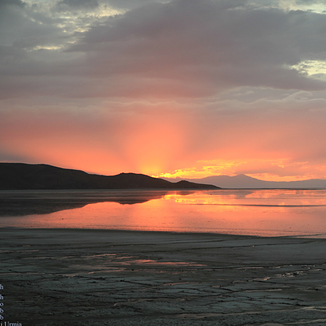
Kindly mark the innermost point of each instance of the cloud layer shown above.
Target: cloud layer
(156, 86)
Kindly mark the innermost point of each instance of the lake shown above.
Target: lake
(243, 212)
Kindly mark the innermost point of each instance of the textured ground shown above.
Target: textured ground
(92, 277)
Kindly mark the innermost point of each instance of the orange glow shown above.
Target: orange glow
(257, 212)
(215, 167)
(162, 139)
(234, 167)
(150, 146)
(151, 149)
(275, 197)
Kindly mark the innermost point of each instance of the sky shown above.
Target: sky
(168, 88)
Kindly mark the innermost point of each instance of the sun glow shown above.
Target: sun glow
(281, 170)
(204, 169)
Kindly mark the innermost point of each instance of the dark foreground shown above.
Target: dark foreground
(90, 277)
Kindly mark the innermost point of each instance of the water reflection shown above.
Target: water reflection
(27, 202)
(256, 212)
(274, 197)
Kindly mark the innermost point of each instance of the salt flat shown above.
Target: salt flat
(101, 277)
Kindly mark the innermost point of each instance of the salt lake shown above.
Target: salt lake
(269, 213)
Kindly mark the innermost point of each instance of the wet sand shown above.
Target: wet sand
(101, 277)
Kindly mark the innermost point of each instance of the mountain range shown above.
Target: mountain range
(244, 181)
(14, 176)
(41, 176)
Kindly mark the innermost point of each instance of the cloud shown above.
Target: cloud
(131, 4)
(179, 49)
(203, 43)
(11, 3)
(155, 86)
(78, 4)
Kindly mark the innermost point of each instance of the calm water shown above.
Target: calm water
(245, 212)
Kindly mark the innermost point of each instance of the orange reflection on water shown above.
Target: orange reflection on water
(270, 197)
(246, 212)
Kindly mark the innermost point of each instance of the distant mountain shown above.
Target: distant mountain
(40, 176)
(244, 181)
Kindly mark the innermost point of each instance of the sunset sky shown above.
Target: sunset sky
(174, 88)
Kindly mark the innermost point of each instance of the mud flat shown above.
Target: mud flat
(100, 277)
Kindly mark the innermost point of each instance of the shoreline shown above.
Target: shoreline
(320, 236)
(108, 277)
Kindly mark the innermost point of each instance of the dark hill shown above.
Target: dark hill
(40, 176)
